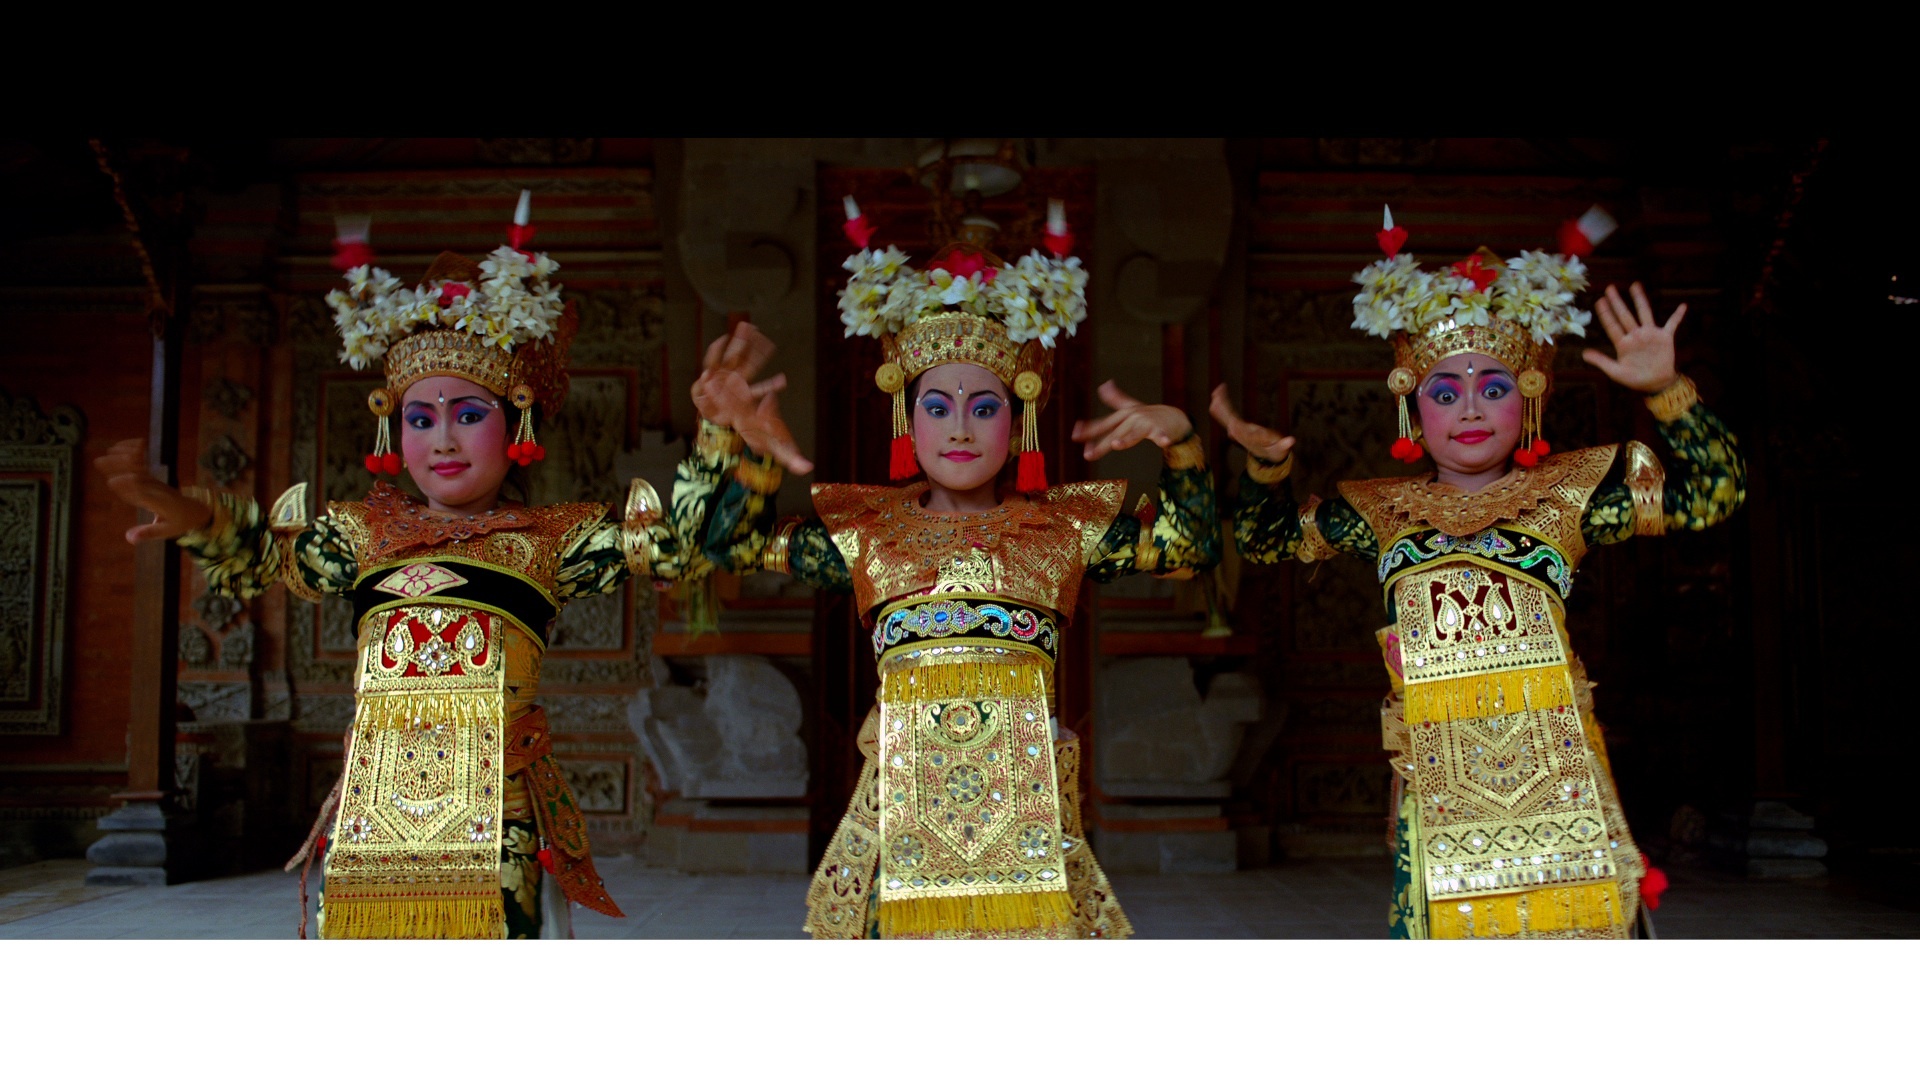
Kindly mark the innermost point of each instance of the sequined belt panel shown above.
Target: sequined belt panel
(970, 819)
(1476, 642)
(1508, 803)
(919, 623)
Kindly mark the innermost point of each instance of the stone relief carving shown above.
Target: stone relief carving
(247, 321)
(37, 457)
(224, 460)
(196, 648)
(217, 611)
(217, 702)
(738, 739)
(1160, 737)
(228, 398)
(600, 787)
(236, 649)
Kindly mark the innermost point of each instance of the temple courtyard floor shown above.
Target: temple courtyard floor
(1330, 898)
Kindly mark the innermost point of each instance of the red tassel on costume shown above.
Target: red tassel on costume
(859, 230)
(1391, 240)
(1033, 473)
(1652, 885)
(1542, 449)
(900, 462)
(1573, 241)
(546, 859)
(350, 253)
(391, 463)
(1061, 244)
(1405, 449)
(519, 236)
(373, 464)
(1526, 458)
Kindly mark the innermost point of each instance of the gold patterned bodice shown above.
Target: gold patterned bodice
(1033, 551)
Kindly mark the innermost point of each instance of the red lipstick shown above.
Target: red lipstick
(1473, 437)
(961, 456)
(450, 468)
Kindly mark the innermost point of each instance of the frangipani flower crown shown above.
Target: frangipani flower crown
(968, 307)
(1511, 311)
(500, 323)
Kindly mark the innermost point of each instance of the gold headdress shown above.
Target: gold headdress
(1511, 311)
(500, 323)
(968, 307)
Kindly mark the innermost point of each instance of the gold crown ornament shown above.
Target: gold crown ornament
(968, 307)
(1511, 311)
(500, 323)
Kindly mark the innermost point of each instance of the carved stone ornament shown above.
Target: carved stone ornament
(236, 649)
(37, 460)
(228, 398)
(216, 610)
(224, 460)
(196, 648)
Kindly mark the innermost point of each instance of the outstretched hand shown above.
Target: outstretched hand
(1262, 442)
(1130, 422)
(726, 394)
(1644, 347)
(125, 467)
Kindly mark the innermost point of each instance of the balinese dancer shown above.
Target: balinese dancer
(450, 810)
(966, 818)
(1510, 825)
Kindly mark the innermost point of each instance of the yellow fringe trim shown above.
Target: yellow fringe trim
(1542, 911)
(971, 677)
(925, 916)
(453, 917)
(1494, 693)
(397, 709)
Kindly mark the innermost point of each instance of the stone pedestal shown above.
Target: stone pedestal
(1772, 840)
(735, 771)
(1163, 755)
(134, 850)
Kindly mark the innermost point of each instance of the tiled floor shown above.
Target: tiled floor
(1317, 899)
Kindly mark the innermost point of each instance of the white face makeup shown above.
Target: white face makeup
(1470, 413)
(962, 426)
(453, 437)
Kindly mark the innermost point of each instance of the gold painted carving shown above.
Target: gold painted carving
(1646, 479)
(1546, 501)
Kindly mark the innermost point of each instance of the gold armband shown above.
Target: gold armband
(1268, 472)
(637, 543)
(1647, 481)
(759, 477)
(1313, 545)
(773, 557)
(1672, 403)
(715, 441)
(219, 514)
(289, 513)
(1188, 453)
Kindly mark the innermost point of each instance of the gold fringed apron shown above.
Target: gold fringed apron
(416, 850)
(1510, 831)
(970, 837)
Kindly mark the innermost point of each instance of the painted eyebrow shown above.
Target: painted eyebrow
(985, 393)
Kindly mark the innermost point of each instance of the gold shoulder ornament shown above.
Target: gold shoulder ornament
(1647, 480)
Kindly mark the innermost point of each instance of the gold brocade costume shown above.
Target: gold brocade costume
(448, 765)
(966, 819)
(1513, 833)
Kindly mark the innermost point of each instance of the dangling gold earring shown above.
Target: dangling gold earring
(383, 459)
(1407, 447)
(1533, 449)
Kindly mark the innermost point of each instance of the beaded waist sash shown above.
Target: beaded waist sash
(926, 624)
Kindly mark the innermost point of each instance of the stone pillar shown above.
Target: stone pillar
(1162, 761)
(1771, 840)
(732, 768)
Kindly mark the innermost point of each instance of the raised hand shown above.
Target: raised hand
(125, 467)
(1644, 347)
(726, 394)
(1262, 442)
(1130, 422)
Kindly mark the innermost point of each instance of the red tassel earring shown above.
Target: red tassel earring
(1401, 381)
(1031, 478)
(524, 450)
(1533, 449)
(383, 459)
(901, 464)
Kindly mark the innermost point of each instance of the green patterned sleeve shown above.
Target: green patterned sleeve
(1184, 539)
(242, 558)
(1705, 482)
(1269, 525)
(733, 522)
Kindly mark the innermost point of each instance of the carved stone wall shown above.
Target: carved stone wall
(37, 455)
